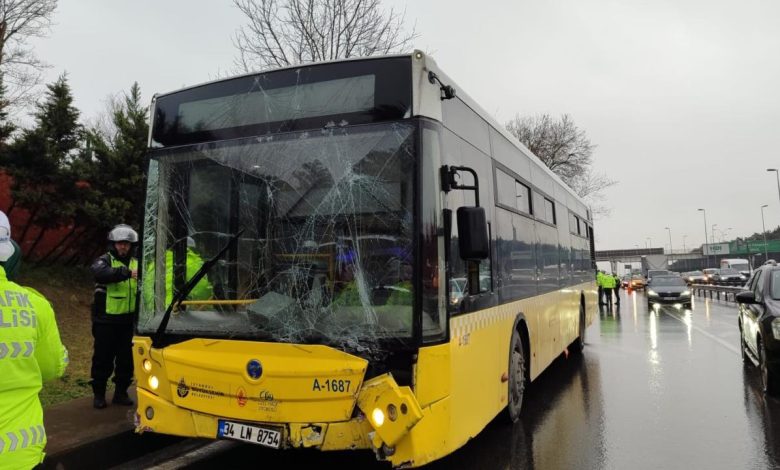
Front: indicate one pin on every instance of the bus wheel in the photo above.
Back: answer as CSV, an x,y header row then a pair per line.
x,y
579,343
516,381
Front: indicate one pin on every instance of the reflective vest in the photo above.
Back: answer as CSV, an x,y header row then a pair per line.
x,y
608,282
120,296
203,290
30,353
600,279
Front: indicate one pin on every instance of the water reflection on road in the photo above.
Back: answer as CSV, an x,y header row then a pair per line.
x,y
660,388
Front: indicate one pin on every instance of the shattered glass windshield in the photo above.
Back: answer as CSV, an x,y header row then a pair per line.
x,y
326,252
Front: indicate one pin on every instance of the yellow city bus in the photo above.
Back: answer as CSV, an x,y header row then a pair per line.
x,y
361,259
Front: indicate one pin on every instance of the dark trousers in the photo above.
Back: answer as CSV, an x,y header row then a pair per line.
x,y
113,353
601,295
608,294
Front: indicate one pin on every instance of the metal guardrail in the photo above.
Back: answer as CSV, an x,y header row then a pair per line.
x,y
727,293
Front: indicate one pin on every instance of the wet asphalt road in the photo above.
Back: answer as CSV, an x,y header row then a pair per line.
x,y
663,389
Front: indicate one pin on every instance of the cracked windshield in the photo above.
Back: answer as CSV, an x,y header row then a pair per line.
x,y
326,249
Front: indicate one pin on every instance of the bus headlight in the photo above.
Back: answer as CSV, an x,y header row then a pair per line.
x,y
147,365
378,417
153,382
776,328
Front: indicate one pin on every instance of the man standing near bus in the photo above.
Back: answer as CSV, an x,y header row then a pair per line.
x,y
113,316
608,282
617,288
600,284
31,353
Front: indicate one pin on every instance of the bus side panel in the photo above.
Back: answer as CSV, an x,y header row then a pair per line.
x,y
480,354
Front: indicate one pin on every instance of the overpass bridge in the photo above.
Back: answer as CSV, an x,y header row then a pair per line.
x,y
653,258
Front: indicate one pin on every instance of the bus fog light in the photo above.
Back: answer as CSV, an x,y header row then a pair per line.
x,y
149,413
147,365
378,417
153,382
392,412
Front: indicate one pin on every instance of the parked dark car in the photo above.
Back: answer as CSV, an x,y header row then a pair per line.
x,y
759,324
728,276
668,290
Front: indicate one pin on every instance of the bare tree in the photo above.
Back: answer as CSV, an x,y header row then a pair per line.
x,y
288,32
567,151
21,20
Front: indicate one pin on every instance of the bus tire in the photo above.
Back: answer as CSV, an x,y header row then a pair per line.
x,y
517,381
579,344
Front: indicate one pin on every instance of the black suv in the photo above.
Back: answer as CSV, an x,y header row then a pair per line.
x,y
759,324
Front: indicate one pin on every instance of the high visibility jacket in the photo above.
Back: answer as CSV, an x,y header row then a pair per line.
x,y
114,283
600,279
30,353
203,290
608,282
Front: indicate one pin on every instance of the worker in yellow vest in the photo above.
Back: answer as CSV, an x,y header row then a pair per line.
x,y
113,316
31,353
600,283
608,283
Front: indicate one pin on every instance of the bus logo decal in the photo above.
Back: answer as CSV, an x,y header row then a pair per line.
x,y
182,390
254,369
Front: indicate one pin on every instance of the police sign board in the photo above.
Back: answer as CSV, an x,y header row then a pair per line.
x,y
716,249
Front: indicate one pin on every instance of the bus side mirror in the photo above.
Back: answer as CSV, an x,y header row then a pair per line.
x,y
472,233
747,297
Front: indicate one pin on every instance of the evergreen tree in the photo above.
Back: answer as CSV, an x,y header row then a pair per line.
x,y
121,180
39,162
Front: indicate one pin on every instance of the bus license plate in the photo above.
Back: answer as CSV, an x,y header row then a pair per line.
x,y
248,433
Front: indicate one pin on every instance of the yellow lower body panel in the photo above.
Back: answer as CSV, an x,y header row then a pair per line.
x,y
168,418
426,442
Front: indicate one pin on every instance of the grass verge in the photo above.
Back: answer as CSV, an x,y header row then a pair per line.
x,y
69,290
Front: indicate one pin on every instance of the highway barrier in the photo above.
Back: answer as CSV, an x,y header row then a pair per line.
x,y
727,293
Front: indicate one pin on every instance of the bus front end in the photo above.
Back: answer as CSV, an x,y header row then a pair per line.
x,y
286,285
274,395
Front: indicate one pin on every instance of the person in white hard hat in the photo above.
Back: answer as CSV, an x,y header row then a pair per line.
x,y
31,353
113,316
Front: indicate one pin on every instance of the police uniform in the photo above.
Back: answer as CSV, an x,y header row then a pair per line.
x,y
31,353
608,282
113,320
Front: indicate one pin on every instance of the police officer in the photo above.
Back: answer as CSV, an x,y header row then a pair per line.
x,y
617,289
30,353
203,290
600,284
113,316
608,282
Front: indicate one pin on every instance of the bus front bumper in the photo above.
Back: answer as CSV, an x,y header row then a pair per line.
x,y
387,414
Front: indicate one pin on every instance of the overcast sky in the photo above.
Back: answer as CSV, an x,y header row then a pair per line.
x,y
681,97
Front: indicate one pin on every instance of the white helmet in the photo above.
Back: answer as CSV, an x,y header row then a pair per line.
x,y
123,233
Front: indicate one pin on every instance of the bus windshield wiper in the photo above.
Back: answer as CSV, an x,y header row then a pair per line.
x,y
182,294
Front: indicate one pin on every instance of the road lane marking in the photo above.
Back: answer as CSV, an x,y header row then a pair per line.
x,y
723,343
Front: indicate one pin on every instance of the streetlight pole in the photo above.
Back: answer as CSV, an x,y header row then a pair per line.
x,y
684,237
777,175
671,250
713,233
763,228
704,247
